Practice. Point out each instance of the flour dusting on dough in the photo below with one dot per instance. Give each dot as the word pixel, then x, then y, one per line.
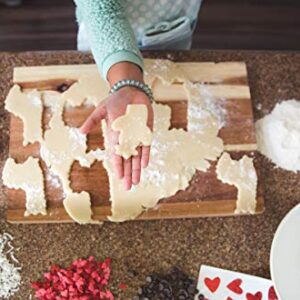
pixel 213 105
pixel 164 70
pixel 175 156
pixel 62 145
pixel 53 179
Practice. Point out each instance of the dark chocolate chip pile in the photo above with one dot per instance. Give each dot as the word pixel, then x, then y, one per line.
pixel 175 285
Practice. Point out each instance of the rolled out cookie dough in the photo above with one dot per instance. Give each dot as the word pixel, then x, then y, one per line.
pixel 63 144
pixel 133 130
pixel 29 108
pixel 164 70
pixel 78 207
pixel 175 156
pixel 88 88
pixel 27 176
pixel 241 174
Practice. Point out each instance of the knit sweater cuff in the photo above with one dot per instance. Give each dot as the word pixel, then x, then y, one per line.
pixel 119 56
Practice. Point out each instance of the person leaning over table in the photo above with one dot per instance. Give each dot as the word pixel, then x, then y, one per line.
pixel 114 30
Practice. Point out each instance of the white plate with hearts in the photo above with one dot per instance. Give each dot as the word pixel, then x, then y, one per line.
pixel 220 284
pixel 285 256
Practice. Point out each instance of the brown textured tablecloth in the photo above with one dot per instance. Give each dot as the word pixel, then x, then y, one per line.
pixel 141 247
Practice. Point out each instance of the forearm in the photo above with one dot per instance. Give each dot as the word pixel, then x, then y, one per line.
pixel 124 70
pixel 110 35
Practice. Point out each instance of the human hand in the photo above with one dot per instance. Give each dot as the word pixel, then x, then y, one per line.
pixel 129 170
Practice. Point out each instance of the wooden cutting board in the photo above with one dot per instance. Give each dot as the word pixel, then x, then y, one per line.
pixel 205 196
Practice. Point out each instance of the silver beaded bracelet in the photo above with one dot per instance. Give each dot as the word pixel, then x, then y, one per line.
pixel 134 83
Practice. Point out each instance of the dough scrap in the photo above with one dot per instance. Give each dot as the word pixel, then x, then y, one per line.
pixel 55 102
pixel 241 174
pixel 133 130
pixel 90 88
pixel 62 145
pixel 164 70
pixel 175 156
pixel 28 107
pixel 27 176
pixel 78 207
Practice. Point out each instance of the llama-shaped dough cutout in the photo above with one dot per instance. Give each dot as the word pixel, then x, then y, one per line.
pixel 27 176
pixel 242 174
pixel 133 130
pixel 29 108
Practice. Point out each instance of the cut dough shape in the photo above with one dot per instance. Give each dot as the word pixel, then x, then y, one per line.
pixel 55 102
pixel 62 145
pixel 175 156
pixel 27 176
pixel 90 88
pixel 164 70
pixel 78 206
pixel 29 108
pixel 133 130
pixel 242 174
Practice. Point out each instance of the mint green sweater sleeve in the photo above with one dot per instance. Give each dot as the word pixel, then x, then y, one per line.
pixel 110 35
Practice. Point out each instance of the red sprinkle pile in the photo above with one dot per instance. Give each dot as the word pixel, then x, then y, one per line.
pixel 84 279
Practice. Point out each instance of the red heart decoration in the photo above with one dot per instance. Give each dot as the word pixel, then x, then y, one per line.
pixel 229 298
pixel 256 296
pixel 272 294
pixel 235 286
pixel 212 284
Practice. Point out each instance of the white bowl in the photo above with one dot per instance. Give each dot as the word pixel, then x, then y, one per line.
pixel 285 256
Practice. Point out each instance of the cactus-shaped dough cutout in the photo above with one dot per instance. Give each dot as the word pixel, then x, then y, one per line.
pixel 133 130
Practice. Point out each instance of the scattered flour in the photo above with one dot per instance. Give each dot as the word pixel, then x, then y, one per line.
pixel 204 109
pixel 213 105
pixel 10 278
pixel 258 106
pixel 278 135
pixel 53 179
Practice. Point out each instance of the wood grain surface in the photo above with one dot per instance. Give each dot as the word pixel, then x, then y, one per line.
pixel 205 196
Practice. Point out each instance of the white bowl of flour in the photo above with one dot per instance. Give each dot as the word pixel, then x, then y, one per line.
pixel 285 256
